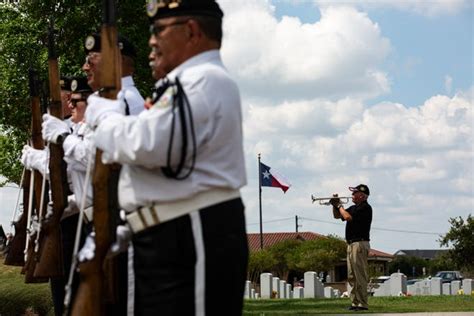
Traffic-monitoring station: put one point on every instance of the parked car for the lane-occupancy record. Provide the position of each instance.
(413, 281)
(448, 276)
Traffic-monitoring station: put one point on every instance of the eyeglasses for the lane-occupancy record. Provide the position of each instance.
(92, 58)
(156, 30)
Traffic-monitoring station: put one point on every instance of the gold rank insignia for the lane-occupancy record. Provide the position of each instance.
(166, 99)
(153, 6)
(90, 42)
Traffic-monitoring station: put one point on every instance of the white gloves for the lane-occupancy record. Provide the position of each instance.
(99, 108)
(35, 159)
(52, 128)
(71, 208)
(124, 235)
(87, 252)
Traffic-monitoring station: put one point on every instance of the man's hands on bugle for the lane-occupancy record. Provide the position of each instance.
(336, 204)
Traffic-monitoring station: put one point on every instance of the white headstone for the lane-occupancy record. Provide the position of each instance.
(418, 286)
(288, 291)
(256, 295)
(248, 287)
(319, 288)
(436, 286)
(455, 287)
(310, 278)
(446, 288)
(328, 292)
(298, 292)
(266, 288)
(468, 286)
(383, 289)
(426, 287)
(276, 286)
(252, 293)
(398, 284)
(411, 289)
(337, 293)
(282, 289)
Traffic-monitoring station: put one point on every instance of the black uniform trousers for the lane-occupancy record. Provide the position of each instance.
(193, 265)
(68, 236)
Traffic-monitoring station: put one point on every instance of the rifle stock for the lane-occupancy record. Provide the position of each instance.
(37, 142)
(50, 254)
(15, 255)
(98, 276)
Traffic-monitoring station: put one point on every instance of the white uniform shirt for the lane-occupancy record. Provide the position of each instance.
(78, 147)
(140, 143)
(130, 94)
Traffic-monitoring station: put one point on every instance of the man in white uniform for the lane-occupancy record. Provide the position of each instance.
(182, 168)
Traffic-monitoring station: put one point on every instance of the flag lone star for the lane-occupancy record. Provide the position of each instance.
(266, 174)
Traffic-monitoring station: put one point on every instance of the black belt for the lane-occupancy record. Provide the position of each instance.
(357, 239)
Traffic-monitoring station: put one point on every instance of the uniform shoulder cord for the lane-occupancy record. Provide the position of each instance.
(181, 104)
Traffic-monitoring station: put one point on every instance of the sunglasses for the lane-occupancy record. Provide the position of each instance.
(75, 101)
(156, 30)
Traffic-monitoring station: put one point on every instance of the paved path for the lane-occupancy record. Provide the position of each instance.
(415, 314)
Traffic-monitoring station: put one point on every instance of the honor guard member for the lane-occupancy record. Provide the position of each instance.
(76, 147)
(134, 102)
(182, 168)
(358, 219)
(35, 158)
(65, 84)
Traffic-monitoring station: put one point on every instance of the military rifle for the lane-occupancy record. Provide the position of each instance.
(98, 286)
(37, 143)
(50, 250)
(15, 255)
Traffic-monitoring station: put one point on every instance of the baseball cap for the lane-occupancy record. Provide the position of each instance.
(360, 188)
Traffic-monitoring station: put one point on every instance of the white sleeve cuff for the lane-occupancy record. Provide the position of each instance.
(69, 143)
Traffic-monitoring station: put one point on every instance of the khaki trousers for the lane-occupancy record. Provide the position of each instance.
(358, 272)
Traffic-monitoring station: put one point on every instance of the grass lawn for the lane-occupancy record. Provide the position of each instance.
(16, 297)
(413, 304)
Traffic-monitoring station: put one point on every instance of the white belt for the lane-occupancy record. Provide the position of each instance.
(157, 213)
(89, 215)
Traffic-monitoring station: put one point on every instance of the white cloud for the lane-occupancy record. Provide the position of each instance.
(338, 56)
(417, 161)
(431, 8)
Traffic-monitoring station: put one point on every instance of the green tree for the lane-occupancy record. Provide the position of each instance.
(284, 254)
(460, 238)
(319, 255)
(259, 262)
(442, 262)
(405, 265)
(23, 34)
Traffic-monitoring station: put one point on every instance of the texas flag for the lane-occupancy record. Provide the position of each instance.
(269, 179)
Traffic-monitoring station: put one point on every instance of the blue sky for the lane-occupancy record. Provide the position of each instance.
(337, 93)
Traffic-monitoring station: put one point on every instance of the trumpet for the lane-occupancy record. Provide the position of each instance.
(325, 201)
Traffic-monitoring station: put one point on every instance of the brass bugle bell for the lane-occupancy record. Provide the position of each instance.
(325, 200)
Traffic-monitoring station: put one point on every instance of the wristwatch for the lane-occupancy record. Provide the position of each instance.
(60, 139)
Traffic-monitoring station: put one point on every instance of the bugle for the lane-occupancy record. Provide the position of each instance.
(325, 200)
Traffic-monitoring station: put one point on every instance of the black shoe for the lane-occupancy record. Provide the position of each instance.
(362, 308)
(352, 308)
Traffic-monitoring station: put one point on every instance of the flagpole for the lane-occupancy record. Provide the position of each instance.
(260, 199)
